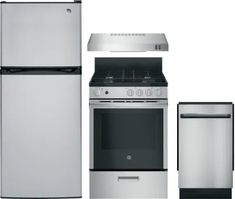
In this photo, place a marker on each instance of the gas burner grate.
(128, 76)
(128, 72)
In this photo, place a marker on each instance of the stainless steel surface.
(59, 198)
(205, 147)
(44, 34)
(96, 104)
(128, 92)
(41, 138)
(1, 135)
(107, 185)
(127, 42)
(0, 37)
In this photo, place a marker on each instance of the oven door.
(128, 135)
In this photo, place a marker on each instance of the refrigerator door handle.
(204, 116)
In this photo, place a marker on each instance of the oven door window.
(128, 139)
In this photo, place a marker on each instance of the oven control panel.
(128, 92)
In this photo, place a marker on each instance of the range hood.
(127, 42)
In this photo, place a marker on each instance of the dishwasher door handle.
(204, 116)
(132, 178)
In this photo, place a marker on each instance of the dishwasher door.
(205, 145)
(41, 138)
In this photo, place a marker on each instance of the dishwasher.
(205, 149)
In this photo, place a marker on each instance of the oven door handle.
(139, 104)
(204, 116)
(132, 178)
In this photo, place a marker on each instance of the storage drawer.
(128, 184)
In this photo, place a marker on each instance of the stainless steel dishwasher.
(205, 149)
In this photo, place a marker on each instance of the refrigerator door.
(41, 136)
(41, 34)
(205, 145)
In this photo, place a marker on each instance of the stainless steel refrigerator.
(205, 149)
(40, 100)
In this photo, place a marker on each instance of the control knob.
(148, 92)
(158, 92)
(97, 92)
(139, 92)
(130, 92)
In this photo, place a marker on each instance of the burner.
(108, 79)
(148, 79)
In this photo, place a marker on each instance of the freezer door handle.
(204, 116)
(132, 178)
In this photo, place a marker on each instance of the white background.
(198, 67)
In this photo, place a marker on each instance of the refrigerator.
(205, 149)
(40, 100)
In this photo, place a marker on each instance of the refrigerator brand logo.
(69, 10)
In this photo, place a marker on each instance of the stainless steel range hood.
(127, 42)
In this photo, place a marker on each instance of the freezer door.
(205, 145)
(41, 34)
(41, 136)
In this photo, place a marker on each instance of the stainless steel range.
(128, 129)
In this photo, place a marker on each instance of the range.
(128, 128)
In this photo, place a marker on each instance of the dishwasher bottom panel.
(128, 185)
(205, 193)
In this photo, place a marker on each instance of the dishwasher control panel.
(128, 92)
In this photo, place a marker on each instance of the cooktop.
(128, 72)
